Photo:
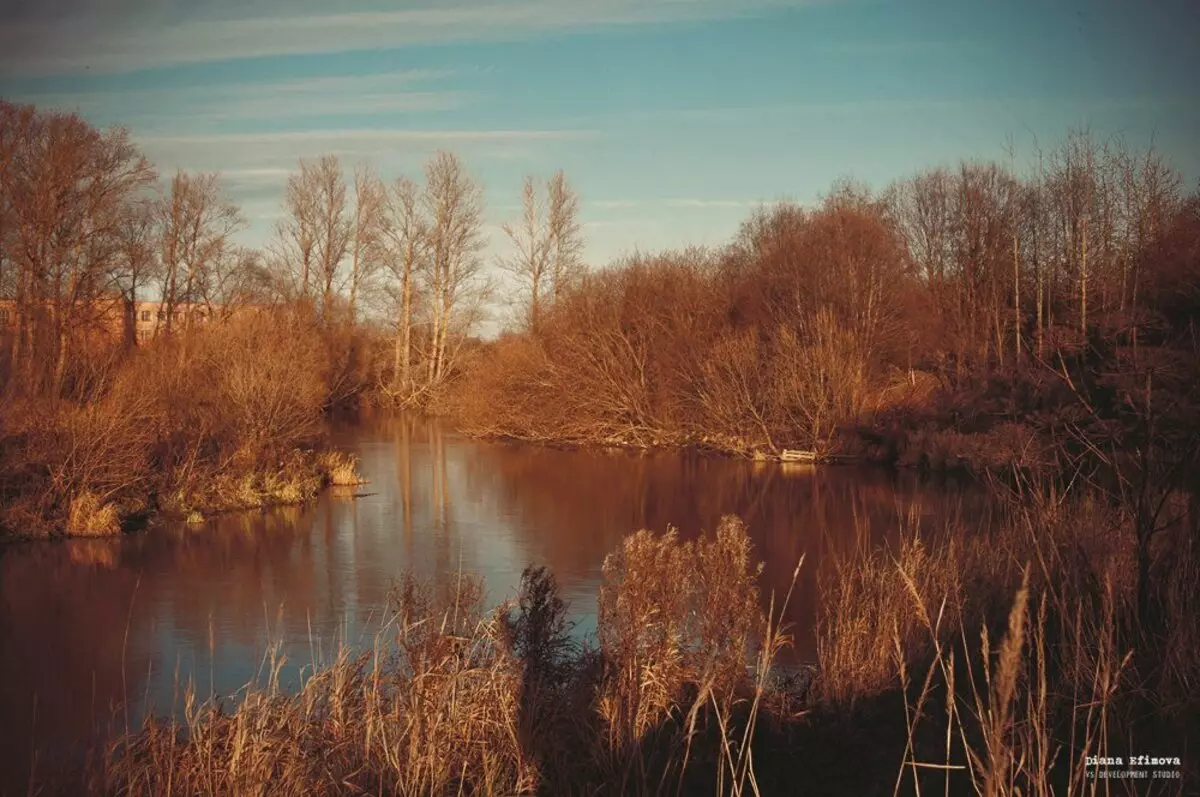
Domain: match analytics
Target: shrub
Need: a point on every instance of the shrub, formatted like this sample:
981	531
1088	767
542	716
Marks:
340	469
227	416
90	516
673	613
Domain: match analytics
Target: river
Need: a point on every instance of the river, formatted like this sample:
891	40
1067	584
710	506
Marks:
94	632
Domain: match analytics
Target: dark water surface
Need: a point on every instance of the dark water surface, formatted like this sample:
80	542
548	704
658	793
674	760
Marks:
89	626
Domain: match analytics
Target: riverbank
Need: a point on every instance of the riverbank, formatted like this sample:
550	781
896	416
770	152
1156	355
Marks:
932	450
298	479
229	416
1008	662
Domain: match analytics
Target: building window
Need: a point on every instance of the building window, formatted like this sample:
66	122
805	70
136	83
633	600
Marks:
144	335
3	315
145	315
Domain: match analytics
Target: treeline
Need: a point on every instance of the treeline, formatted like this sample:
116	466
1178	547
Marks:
226	408
964	316
941	319
87	231
366	290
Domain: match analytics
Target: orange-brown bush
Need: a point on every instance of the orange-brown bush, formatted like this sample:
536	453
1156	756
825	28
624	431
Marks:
793	335
775	344
215	418
671	614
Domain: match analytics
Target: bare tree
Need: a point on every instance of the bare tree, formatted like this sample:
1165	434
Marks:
236	279
196	226
333	228
137	262
1150	193
1072	184
370	201
453	202
565	240
405	230
548	242
530	236
65	185
296	234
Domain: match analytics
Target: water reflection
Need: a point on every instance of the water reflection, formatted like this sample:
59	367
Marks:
87	625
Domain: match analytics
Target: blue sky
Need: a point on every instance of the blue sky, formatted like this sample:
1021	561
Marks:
673	118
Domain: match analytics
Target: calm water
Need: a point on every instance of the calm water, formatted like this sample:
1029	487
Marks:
89	625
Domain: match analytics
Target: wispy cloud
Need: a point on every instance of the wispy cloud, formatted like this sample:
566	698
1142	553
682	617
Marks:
684	203
613	204
360	136
791	113
253	164
709	203
83	38
357	95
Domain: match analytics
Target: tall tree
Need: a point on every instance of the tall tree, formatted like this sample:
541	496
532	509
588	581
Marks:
333	227
547	240
406	233
137	262
64	186
530	236
563	228
196	226
454	204
296	233
235	279
370	201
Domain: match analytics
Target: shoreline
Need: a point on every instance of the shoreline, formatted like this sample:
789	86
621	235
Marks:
923	462
299	480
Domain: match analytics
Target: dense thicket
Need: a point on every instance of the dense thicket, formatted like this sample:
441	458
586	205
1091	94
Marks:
147	361
963	315
391	273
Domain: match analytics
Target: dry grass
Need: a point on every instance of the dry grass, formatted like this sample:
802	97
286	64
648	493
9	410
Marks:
1002	662
91	516
1020	716
1004	728
431	710
454	699
341	469
674	616
294	479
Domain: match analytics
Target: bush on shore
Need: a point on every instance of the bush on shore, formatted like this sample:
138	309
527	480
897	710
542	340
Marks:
224	417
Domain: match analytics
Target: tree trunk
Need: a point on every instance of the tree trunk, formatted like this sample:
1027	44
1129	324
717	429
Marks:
60	360
130	318
1016	300
1083	279
535	307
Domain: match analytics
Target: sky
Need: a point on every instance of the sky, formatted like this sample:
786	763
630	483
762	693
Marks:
672	118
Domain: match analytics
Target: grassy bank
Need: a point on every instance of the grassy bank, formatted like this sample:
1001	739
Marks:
226	417
991	663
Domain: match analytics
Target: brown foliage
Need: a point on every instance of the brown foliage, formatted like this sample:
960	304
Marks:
214	419
756	350
673	613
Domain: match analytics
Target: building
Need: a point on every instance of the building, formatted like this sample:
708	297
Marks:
108	317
